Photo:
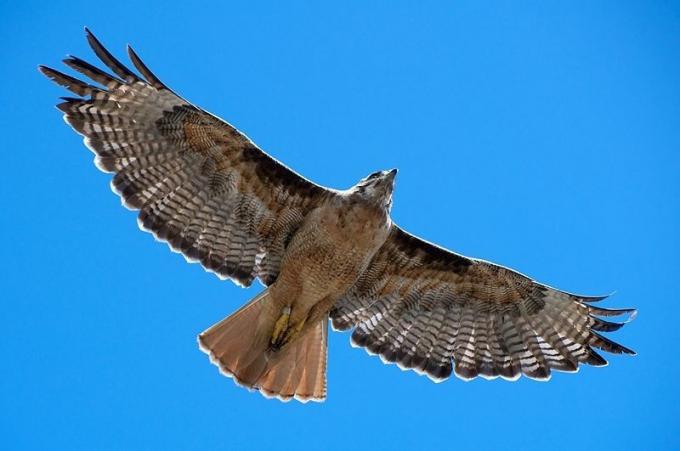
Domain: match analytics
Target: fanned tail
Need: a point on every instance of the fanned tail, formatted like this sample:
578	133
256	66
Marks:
240	346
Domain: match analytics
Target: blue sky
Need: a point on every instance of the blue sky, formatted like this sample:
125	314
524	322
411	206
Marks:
544	137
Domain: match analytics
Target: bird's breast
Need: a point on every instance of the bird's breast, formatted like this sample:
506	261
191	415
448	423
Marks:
332	248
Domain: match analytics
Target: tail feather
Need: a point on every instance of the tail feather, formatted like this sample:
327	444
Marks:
301	372
239	346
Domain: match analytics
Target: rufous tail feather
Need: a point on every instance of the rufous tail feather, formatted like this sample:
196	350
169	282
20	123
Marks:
240	346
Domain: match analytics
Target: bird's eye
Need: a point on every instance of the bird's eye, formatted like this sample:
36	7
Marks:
374	175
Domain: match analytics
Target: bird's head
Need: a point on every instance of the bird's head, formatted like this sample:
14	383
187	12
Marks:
377	187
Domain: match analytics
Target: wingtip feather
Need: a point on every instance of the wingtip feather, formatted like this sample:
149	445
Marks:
144	70
107	58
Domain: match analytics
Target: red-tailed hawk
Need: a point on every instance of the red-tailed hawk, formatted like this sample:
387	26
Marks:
210	193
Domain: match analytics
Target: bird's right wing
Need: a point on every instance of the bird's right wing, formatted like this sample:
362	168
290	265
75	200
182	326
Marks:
201	185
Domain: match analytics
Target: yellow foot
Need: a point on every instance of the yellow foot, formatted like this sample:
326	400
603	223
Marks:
292	332
280	328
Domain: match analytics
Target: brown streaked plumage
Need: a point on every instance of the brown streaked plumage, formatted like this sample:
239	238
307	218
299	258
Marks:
210	193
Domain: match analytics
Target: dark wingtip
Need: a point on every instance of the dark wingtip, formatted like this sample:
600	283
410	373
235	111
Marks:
595	359
88	34
144	70
593	298
108	59
586	298
91	38
68	103
70	58
608	345
600	311
90	71
605	326
72	84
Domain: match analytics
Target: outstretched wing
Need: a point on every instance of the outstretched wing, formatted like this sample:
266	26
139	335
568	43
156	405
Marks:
422	306
201	185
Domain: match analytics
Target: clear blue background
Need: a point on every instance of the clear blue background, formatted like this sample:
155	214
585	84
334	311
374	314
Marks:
543	137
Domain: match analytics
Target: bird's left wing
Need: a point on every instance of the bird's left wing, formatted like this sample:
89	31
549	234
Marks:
201	185
424	307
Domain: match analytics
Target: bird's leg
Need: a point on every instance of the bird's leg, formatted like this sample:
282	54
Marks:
280	328
292	332
285	331
315	314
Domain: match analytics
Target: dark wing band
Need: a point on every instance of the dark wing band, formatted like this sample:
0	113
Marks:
201	185
428	309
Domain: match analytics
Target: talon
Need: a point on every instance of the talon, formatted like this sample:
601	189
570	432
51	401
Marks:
292	332
280	328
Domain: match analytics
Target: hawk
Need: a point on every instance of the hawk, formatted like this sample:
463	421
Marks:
322	254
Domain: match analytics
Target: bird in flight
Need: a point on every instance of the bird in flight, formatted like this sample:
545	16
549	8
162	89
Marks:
322	254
